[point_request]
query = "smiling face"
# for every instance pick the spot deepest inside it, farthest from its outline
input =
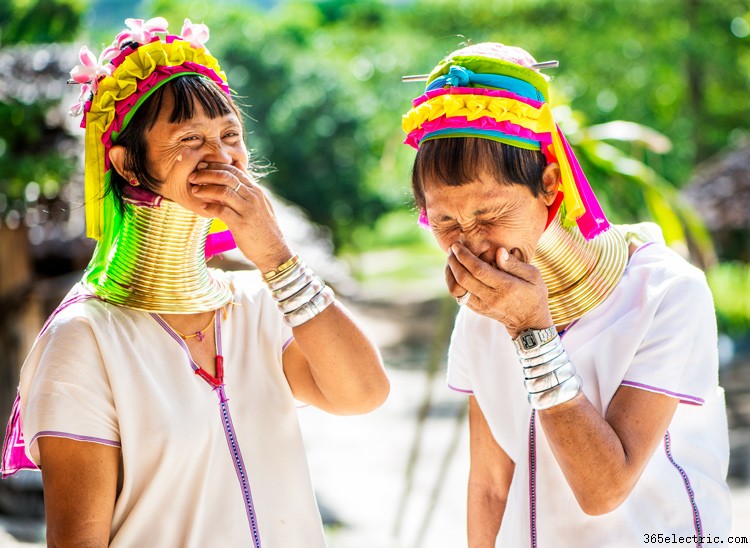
(186, 121)
(176, 148)
(485, 215)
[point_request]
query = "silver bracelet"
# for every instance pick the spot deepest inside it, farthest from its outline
(287, 277)
(295, 285)
(561, 393)
(311, 308)
(544, 368)
(299, 293)
(548, 356)
(302, 296)
(549, 376)
(551, 380)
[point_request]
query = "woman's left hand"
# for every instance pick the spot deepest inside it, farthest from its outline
(513, 293)
(231, 194)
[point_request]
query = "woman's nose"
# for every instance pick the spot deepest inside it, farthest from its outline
(475, 241)
(217, 151)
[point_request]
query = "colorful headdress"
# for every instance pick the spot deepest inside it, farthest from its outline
(495, 92)
(142, 58)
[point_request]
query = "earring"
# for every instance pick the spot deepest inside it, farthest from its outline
(134, 182)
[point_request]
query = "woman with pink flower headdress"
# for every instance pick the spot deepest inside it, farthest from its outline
(588, 351)
(159, 400)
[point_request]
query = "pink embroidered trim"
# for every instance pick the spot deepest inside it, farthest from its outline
(13, 456)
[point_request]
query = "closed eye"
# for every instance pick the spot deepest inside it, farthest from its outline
(444, 229)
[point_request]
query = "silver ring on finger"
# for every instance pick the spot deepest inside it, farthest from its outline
(463, 299)
(237, 188)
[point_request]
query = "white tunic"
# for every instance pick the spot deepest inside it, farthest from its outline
(200, 466)
(656, 332)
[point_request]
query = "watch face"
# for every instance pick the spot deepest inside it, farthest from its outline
(528, 340)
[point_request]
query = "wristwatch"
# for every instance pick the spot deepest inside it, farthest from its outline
(532, 339)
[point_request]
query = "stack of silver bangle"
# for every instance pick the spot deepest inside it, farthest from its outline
(550, 377)
(300, 294)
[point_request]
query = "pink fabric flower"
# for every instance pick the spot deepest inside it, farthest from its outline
(110, 53)
(89, 69)
(77, 108)
(88, 74)
(140, 31)
(196, 34)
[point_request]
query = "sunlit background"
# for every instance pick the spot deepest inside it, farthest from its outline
(653, 95)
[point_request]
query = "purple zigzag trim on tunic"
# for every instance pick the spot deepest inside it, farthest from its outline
(691, 495)
(462, 390)
(532, 465)
(532, 478)
(226, 421)
(239, 465)
(177, 338)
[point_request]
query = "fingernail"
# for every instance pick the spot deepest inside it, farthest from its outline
(195, 189)
(454, 248)
(191, 177)
(202, 165)
(505, 255)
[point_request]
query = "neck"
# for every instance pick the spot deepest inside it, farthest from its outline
(580, 274)
(156, 261)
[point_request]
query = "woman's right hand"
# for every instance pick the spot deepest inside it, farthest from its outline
(231, 194)
(514, 293)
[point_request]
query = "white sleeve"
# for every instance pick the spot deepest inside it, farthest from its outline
(459, 356)
(678, 355)
(65, 389)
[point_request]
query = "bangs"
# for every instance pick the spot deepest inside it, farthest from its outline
(460, 161)
(190, 92)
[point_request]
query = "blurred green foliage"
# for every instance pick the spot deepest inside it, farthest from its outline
(730, 285)
(39, 21)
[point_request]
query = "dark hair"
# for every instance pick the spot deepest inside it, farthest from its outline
(459, 161)
(188, 91)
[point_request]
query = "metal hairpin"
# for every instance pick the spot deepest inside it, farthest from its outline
(423, 77)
